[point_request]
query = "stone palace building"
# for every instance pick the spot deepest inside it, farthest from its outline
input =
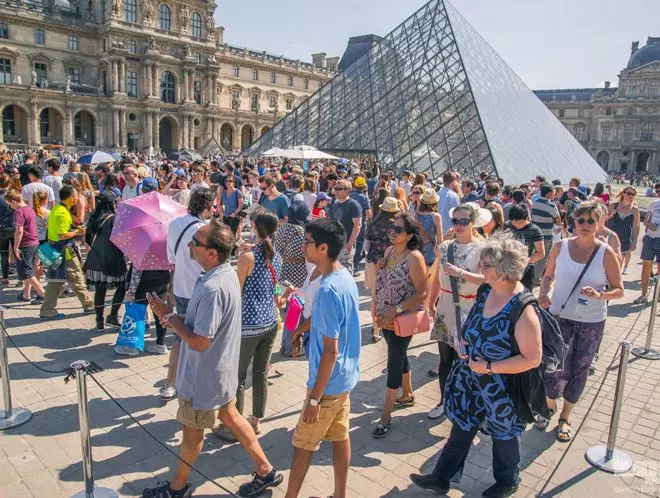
(620, 127)
(139, 75)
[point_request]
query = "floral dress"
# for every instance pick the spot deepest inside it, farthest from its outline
(466, 256)
(393, 287)
(480, 401)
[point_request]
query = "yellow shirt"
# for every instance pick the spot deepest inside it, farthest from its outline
(59, 221)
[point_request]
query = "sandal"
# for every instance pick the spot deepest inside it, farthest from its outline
(381, 430)
(542, 423)
(566, 434)
(640, 300)
(404, 403)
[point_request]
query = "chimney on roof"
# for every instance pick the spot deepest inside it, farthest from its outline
(608, 84)
(333, 63)
(319, 59)
(634, 47)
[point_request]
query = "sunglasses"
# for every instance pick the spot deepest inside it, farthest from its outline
(398, 230)
(582, 221)
(632, 193)
(339, 188)
(463, 222)
(195, 242)
(482, 264)
(416, 192)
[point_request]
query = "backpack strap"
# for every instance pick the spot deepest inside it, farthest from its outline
(516, 311)
(178, 241)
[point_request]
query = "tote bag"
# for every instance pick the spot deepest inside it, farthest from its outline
(131, 332)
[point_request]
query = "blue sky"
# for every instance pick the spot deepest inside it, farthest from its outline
(557, 44)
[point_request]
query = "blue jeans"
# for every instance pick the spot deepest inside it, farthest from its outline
(359, 248)
(506, 457)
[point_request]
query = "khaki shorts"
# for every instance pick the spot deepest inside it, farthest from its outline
(332, 425)
(199, 419)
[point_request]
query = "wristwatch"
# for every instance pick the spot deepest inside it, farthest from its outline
(489, 369)
(168, 317)
(313, 402)
(398, 309)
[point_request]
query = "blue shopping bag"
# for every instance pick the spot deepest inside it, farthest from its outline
(131, 332)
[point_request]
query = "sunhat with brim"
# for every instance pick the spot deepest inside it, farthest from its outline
(429, 196)
(390, 205)
(484, 216)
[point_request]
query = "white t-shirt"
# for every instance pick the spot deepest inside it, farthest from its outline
(186, 270)
(195, 186)
(54, 182)
(130, 192)
(309, 289)
(28, 191)
(654, 217)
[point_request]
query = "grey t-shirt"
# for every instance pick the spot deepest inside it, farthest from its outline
(210, 378)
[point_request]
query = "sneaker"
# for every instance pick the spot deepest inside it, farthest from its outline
(224, 432)
(38, 300)
(625, 271)
(100, 327)
(126, 351)
(168, 392)
(429, 481)
(593, 367)
(4, 282)
(67, 293)
(259, 484)
(500, 490)
(56, 316)
(163, 490)
(437, 411)
(23, 299)
(157, 349)
(89, 310)
(113, 320)
(640, 300)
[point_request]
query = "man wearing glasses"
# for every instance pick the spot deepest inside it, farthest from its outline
(132, 187)
(650, 244)
(348, 212)
(208, 363)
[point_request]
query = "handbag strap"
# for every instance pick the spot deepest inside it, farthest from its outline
(178, 241)
(454, 289)
(424, 232)
(582, 273)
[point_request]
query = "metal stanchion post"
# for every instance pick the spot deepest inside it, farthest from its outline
(10, 416)
(80, 368)
(608, 458)
(647, 352)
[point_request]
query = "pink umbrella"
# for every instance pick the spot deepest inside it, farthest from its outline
(140, 229)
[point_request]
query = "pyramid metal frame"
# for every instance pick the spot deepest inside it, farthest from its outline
(429, 103)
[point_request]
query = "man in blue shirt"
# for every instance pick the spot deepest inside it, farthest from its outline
(448, 199)
(275, 201)
(334, 358)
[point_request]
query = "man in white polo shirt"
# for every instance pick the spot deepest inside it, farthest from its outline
(186, 270)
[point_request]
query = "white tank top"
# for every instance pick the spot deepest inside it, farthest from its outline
(579, 308)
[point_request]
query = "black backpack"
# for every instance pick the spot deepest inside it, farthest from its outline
(554, 347)
(6, 217)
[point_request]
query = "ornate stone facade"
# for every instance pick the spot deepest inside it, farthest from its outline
(139, 75)
(620, 127)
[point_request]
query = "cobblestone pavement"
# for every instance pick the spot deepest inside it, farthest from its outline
(42, 458)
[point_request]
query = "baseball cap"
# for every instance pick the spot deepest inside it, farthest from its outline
(149, 184)
(322, 196)
(179, 172)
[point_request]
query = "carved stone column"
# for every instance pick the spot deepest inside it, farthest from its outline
(191, 85)
(148, 130)
(191, 132)
(123, 133)
(98, 134)
(156, 80)
(33, 125)
(115, 127)
(67, 134)
(115, 76)
(236, 142)
(184, 134)
(122, 76)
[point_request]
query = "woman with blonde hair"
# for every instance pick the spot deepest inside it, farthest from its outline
(87, 190)
(401, 199)
(80, 210)
(624, 220)
(74, 167)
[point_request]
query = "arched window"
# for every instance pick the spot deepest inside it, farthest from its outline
(4, 30)
(603, 158)
(168, 88)
(196, 25)
(130, 10)
(164, 17)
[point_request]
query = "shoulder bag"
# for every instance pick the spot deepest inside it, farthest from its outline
(454, 289)
(579, 279)
(411, 322)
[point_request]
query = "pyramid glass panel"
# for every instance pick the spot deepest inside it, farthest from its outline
(430, 96)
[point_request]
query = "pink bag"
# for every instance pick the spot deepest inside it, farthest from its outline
(411, 323)
(294, 313)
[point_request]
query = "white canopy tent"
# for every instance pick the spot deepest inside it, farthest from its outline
(305, 152)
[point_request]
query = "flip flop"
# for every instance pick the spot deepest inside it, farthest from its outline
(566, 434)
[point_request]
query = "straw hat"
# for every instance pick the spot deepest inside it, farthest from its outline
(390, 205)
(430, 196)
(484, 216)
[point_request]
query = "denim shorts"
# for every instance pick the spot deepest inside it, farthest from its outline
(25, 266)
(651, 249)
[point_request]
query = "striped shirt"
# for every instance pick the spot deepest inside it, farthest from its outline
(543, 214)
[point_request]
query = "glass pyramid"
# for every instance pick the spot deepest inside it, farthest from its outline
(432, 95)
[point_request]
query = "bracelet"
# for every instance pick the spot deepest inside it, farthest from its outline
(166, 318)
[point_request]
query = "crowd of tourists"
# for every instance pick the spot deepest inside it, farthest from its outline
(272, 248)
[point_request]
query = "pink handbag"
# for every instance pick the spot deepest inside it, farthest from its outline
(411, 322)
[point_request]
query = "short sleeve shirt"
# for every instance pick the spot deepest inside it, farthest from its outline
(336, 314)
(279, 205)
(209, 378)
(544, 212)
(59, 221)
(230, 202)
(345, 212)
(528, 235)
(28, 191)
(26, 218)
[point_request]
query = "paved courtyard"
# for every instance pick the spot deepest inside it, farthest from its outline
(43, 457)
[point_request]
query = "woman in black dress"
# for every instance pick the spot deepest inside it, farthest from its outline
(623, 219)
(105, 267)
